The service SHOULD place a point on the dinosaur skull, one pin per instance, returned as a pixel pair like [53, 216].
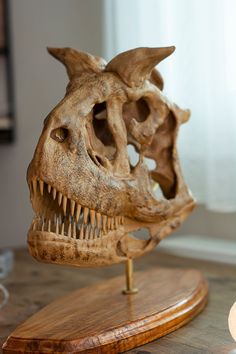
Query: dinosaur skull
[87, 196]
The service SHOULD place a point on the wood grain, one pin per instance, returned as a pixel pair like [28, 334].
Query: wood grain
[33, 285]
[99, 319]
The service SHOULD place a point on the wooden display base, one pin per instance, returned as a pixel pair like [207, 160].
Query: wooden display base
[100, 319]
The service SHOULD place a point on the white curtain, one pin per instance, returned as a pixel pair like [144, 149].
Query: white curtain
[200, 75]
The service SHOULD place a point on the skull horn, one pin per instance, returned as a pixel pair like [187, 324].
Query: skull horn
[76, 62]
[136, 65]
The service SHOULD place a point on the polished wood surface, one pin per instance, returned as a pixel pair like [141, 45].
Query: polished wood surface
[100, 319]
[33, 285]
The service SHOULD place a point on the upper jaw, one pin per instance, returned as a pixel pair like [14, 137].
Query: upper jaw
[84, 184]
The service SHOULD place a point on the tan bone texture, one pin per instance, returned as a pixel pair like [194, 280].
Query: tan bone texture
[87, 196]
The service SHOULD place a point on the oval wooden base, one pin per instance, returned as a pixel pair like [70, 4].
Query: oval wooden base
[100, 319]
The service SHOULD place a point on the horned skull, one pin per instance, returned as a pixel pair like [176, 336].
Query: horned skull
[87, 196]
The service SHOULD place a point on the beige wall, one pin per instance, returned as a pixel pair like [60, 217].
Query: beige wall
[207, 223]
[39, 84]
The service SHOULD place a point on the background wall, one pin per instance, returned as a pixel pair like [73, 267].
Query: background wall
[39, 84]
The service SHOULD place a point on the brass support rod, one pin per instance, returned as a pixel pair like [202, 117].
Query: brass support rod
[130, 289]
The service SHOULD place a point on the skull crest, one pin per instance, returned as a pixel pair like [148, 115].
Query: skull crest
[87, 196]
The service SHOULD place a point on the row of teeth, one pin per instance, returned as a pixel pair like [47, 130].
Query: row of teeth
[82, 223]
[70, 229]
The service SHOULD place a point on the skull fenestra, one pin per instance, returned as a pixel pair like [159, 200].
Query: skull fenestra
[87, 196]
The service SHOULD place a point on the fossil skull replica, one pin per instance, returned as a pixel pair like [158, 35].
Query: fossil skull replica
[87, 196]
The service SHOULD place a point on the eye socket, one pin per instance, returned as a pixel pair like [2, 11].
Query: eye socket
[59, 134]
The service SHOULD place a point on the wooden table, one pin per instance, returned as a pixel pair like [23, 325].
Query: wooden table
[32, 285]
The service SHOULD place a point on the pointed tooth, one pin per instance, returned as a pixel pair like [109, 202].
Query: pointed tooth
[101, 115]
[34, 226]
[62, 229]
[91, 234]
[41, 184]
[59, 198]
[122, 220]
[74, 230]
[92, 218]
[72, 207]
[34, 182]
[95, 234]
[112, 224]
[49, 188]
[116, 221]
[87, 232]
[64, 204]
[78, 210]
[57, 225]
[69, 230]
[54, 193]
[86, 212]
[81, 234]
[104, 223]
[42, 225]
[49, 225]
[98, 217]
[109, 223]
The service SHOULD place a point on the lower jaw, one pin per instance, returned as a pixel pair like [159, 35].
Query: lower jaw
[49, 247]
